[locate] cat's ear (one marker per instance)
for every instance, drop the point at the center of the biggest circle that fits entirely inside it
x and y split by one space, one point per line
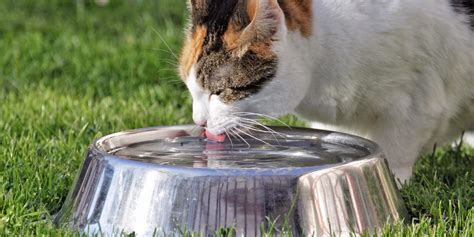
267 19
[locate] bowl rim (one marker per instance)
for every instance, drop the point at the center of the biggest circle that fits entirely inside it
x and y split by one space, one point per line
106 144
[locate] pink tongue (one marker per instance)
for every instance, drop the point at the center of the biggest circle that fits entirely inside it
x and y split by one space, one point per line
213 137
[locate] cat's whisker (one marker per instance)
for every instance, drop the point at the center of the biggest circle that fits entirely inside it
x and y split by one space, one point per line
274 135
275 138
237 134
160 50
169 62
170 82
230 139
175 82
263 115
230 132
256 125
252 128
165 43
256 114
256 138
254 122
167 70
168 79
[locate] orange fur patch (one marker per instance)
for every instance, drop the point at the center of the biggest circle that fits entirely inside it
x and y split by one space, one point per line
262 49
231 38
298 16
191 50
233 43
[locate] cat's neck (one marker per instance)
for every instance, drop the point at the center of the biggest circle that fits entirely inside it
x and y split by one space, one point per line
328 56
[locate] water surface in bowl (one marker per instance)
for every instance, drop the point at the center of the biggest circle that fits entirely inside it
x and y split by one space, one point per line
261 151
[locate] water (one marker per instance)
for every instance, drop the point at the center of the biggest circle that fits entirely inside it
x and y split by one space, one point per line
268 152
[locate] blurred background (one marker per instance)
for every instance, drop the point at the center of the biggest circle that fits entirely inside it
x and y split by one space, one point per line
78 47
70 72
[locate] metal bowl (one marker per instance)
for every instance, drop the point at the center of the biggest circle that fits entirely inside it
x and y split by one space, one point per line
169 181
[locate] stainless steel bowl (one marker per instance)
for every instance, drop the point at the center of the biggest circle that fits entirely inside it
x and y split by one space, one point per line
165 181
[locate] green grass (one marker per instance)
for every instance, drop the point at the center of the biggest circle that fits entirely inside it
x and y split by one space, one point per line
70 73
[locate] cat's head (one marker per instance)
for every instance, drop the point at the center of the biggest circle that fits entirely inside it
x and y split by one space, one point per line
239 60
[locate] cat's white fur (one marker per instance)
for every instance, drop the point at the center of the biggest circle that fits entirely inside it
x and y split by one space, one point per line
400 72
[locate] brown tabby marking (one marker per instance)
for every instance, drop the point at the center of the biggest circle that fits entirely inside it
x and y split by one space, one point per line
298 16
263 50
231 38
237 47
230 43
192 50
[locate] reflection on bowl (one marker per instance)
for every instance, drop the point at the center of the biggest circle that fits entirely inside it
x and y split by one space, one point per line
161 181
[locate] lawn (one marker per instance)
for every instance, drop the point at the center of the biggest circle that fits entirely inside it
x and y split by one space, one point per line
71 72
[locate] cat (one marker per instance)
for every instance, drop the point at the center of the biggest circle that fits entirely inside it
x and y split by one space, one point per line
399 72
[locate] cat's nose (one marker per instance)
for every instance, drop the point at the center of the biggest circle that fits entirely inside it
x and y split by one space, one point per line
200 122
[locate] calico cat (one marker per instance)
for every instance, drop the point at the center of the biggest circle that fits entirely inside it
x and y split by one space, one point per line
400 72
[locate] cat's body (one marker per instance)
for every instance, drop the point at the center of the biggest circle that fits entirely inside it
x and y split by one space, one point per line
400 72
